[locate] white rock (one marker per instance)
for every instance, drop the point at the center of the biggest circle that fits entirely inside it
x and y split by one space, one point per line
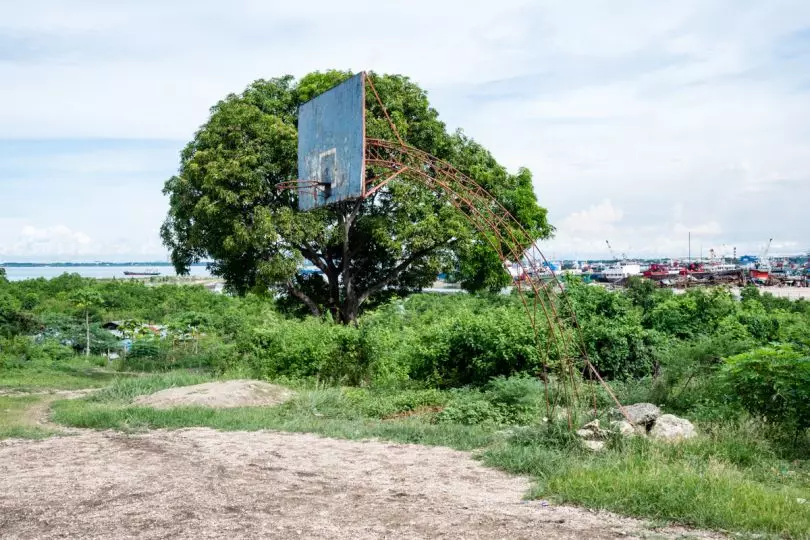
669 427
594 446
623 428
593 425
592 431
641 414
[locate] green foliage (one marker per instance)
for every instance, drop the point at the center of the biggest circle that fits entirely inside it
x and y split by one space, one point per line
387 404
690 369
618 344
303 349
773 382
470 409
20 351
470 349
225 204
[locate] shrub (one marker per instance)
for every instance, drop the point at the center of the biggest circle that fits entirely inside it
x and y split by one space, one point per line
690 368
773 382
145 349
382 404
308 348
470 410
23 351
471 348
521 398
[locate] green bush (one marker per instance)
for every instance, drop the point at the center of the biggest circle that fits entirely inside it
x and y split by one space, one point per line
516 400
20 351
471 348
618 344
146 349
773 382
383 404
308 348
691 368
471 410
520 398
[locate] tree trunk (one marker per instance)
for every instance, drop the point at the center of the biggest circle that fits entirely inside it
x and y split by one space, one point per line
351 304
87 328
349 310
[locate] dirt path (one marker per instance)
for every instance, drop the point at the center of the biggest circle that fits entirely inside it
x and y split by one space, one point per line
38 414
201 483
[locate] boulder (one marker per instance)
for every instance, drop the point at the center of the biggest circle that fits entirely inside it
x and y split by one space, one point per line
592 431
669 427
641 414
594 446
623 428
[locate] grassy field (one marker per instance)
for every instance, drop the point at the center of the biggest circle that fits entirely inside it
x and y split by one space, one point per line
27 393
730 478
17 418
73 376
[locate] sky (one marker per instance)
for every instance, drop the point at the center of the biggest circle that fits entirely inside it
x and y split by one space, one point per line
641 121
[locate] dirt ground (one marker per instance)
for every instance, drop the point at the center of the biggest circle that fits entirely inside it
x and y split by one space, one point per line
219 394
202 483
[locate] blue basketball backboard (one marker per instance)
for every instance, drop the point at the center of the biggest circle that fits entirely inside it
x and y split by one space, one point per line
331 145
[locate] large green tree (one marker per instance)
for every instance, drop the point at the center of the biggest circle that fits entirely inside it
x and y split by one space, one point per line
225 206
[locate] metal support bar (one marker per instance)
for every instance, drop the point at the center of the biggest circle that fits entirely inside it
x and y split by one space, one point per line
381 184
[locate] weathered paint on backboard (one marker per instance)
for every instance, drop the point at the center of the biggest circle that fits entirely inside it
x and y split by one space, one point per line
331 144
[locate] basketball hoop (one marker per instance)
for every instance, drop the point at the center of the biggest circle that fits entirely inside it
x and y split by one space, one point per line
314 189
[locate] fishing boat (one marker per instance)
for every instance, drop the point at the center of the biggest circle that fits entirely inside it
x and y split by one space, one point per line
760 272
617 272
141 273
659 271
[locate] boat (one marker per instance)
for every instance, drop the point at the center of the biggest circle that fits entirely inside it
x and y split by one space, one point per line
617 272
141 273
658 271
760 273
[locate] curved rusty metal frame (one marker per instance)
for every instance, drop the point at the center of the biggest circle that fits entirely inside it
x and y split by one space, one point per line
508 238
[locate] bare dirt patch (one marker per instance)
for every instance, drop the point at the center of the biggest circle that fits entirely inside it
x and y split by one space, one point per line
220 394
202 483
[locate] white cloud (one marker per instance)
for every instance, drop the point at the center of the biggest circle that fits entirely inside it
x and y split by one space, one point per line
710 228
623 110
598 219
23 242
56 239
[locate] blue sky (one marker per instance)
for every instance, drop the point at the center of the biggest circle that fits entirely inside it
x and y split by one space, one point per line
640 120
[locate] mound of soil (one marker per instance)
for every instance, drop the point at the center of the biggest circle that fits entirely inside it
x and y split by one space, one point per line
220 394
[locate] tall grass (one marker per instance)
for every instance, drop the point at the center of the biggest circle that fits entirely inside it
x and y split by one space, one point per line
125 389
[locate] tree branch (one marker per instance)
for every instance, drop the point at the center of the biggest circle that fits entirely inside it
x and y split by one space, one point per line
313 307
395 273
312 256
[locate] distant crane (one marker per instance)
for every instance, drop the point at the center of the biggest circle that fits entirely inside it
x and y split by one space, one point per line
612 253
764 254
